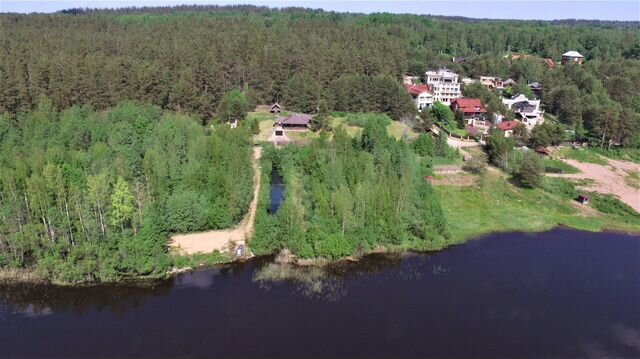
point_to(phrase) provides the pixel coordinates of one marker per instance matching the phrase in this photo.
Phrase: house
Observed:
(507, 127)
(583, 199)
(297, 121)
(409, 80)
(421, 95)
(527, 110)
(508, 82)
(572, 57)
(492, 82)
(444, 85)
(536, 88)
(550, 63)
(458, 60)
(275, 108)
(473, 110)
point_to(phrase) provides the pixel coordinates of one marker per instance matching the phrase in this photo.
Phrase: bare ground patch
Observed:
(611, 178)
(224, 239)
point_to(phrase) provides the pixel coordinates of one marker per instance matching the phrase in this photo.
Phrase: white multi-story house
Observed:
(527, 110)
(444, 85)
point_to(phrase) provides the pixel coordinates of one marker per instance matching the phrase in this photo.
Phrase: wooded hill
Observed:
(186, 58)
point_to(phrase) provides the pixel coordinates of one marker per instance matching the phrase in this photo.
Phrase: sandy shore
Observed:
(224, 239)
(608, 179)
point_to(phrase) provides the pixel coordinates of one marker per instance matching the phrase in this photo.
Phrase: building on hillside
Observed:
(444, 85)
(572, 57)
(536, 88)
(528, 111)
(297, 121)
(473, 110)
(507, 127)
(421, 95)
(509, 82)
(410, 80)
(492, 82)
(458, 60)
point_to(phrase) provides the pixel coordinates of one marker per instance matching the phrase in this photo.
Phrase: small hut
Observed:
(275, 108)
(583, 199)
(542, 150)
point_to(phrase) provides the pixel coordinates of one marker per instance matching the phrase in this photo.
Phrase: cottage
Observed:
(492, 82)
(572, 57)
(421, 94)
(507, 127)
(536, 88)
(473, 110)
(297, 121)
(275, 108)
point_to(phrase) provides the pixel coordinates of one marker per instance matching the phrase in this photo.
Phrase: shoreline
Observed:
(24, 276)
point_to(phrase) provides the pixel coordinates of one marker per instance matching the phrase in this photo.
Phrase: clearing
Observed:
(611, 178)
(223, 239)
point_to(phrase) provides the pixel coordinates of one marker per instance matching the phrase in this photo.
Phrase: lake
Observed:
(560, 293)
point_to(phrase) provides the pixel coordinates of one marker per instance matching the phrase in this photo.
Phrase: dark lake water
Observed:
(276, 191)
(560, 294)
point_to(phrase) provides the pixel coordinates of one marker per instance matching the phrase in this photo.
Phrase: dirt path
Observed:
(609, 179)
(224, 239)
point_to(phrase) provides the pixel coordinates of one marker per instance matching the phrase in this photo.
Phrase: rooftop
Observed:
(572, 54)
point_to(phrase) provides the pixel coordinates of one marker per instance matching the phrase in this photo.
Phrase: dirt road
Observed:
(224, 239)
(608, 179)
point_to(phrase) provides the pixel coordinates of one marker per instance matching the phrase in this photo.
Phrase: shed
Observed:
(275, 108)
(583, 199)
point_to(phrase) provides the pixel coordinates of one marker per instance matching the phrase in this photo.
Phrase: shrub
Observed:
(531, 171)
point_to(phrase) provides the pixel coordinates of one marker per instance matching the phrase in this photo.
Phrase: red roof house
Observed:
(471, 107)
(508, 126)
(415, 90)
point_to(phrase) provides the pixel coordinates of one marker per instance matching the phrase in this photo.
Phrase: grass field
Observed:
(557, 166)
(495, 205)
(582, 155)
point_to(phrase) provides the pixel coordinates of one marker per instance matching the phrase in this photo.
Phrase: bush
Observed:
(476, 164)
(611, 205)
(186, 212)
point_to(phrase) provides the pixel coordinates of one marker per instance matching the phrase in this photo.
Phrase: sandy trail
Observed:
(223, 239)
(609, 179)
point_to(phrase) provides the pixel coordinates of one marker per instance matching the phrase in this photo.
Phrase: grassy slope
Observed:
(495, 205)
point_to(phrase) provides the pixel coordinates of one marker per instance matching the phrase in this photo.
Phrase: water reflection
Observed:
(40, 300)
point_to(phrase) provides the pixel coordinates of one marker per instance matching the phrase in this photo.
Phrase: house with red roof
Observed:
(507, 127)
(473, 110)
(422, 95)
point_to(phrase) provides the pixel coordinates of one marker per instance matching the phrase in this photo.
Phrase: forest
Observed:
(349, 196)
(93, 196)
(186, 58)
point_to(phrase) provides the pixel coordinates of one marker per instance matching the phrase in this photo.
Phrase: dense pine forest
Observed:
(111, 136)
(187, 58)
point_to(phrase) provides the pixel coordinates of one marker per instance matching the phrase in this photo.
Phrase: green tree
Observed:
(531, 171)
(233, 106)
(122, 204)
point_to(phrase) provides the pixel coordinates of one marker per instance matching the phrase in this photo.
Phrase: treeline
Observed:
(94, 196)
(187, 58)
(348, 196)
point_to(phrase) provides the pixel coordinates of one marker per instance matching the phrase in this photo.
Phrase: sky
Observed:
(515, 9)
